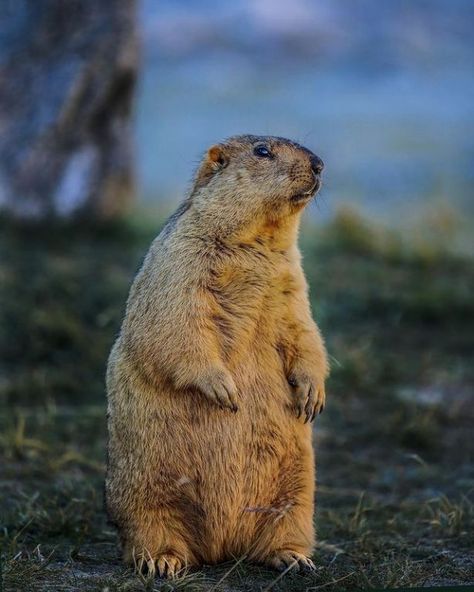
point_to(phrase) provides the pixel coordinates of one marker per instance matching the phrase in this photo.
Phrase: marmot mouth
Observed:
(307, 195)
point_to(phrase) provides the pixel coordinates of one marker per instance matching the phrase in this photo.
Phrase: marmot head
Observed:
(257, 176)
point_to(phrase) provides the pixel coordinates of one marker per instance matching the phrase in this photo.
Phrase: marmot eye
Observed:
(262, 151)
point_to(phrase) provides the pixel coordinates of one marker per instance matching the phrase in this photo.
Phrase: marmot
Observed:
(218, 371)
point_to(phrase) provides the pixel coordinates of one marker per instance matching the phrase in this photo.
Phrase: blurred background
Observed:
(126, 96)
(383, 91)
(105, 110)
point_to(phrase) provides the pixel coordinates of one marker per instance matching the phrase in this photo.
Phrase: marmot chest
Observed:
(251, 298)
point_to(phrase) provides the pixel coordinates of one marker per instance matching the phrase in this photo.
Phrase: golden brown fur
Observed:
(218, 371)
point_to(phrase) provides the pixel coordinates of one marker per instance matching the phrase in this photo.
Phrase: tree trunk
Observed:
(67, 75)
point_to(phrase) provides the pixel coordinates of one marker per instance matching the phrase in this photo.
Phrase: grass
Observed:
(395, 500)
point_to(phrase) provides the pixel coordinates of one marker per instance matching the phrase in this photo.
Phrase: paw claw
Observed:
(290, 560)
(309, 396)
(220, 388)
(168, 565)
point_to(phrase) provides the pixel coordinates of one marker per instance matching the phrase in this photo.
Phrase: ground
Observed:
(395, 497)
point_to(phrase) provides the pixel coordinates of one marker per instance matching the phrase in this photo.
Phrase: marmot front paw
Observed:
(309, 395)
(218, 386)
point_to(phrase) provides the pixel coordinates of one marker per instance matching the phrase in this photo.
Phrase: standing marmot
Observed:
(219, 370)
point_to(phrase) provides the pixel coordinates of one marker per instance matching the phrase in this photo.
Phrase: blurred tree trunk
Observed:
(67, 75)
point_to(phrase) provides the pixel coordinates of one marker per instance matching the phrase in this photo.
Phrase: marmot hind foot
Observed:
(165, 565)
(285, 559)
(169, 565)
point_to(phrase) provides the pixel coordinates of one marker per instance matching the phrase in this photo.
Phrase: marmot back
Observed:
(218, 372)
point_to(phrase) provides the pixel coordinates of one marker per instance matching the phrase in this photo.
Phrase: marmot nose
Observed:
(316, 164)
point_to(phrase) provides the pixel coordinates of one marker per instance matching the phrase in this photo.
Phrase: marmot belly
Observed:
(228, 472)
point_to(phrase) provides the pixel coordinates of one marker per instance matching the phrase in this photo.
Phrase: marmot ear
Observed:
(217, 157)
